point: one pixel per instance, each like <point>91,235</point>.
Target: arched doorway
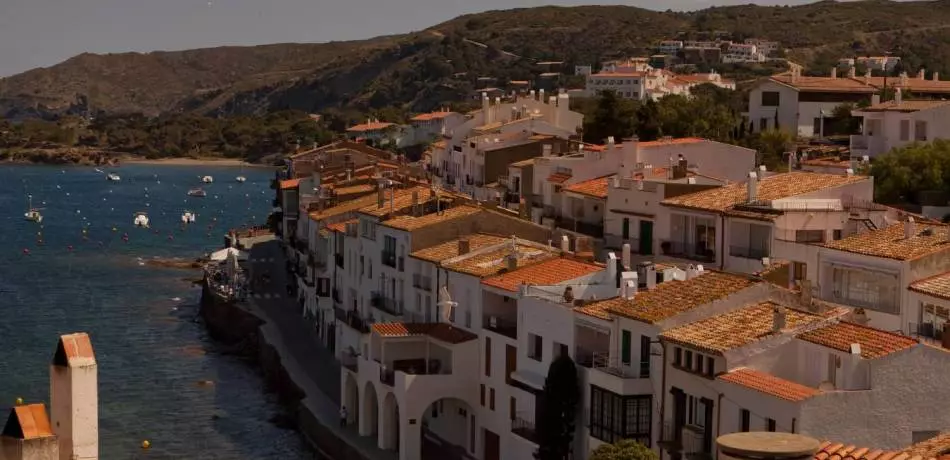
<point>449,430</point>
<point>351,399</point>
<point>369,425</point>
<point>391,421</point>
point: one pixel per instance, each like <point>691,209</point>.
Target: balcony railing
<point>389,259</point>
<point>386,304</point>
<point>387,376</point>
<point>690,251</point>
<point>672,436</point>
<point>747,252</point>
<point>352,319</point>
<point>577,226</point>
<point>928,331</point>
<point>612,365</point>
<point>422,282</point>
<point>499,325</point>
<point>524,428</point>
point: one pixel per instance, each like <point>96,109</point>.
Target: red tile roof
<point>676,141</point>
<point>75,350</point>
<point>596,188</point>
<point>439,331</point>
<point>341,226</point>
<point>935,286</point>
<point>28,421</point>
<point>875,343</point>
<point>371,126</point>
<point>839,451</point>
<point>769,384</point>
<point>289,183</point>
<point>552,271</point>
<point>559,178</point>
<point>431,116</point>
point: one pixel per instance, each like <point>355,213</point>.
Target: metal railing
<point>747,252</point>
<point>690,251</point>
<point>577,226</point>
<point>422,282</point>
<point>499,325</point>
<point>386,304</point>
<point>524,428</point>
<point>927,330</point>
<point>352,319</point>
<point>612,365</point>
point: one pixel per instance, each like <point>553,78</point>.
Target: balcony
<point>500,325</point>
<point>524,428</point>
<point>672,436</point>
<point>388,259</point>
<point>927,332</point>
<point>351,319</point>
<point>422,282</point>
<point>386,304</point>
<point>612,365</point>
<point>747,252</point>
<point>577,226</point>
<point>691,251</point>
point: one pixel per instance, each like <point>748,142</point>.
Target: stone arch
<point>389,433</point>
<point>449,429</point>
<point>369,421</point>
<point>351,399</point>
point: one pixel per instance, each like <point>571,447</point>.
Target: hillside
<point>420,70</point>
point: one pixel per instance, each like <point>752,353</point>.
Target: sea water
<point>161,378</point>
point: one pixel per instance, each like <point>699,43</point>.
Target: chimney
<point>921,74</point>
<point>532,94</point>
<point>778,319</point>
<point>565,243</point>
<point>904,79</point>
<point>546,150</point>
<point>625,255</point>
<point>30,436</point>
<point>867,77</point>
<point>760,172</point>
<point>415,203</point>
<point>464,246</point>
<point>380,197</point>
<point>650,272</point>
<point>628,290</point>
<point>898,96</point>
<point>852,73</point>
<point>691,272</point>
<point>910,228</point>
<point>512,260</point>
<point>486,108</point>
<point>935,76</point>
<point>610,142</point>
<point>752,187</point>
<point>568,295</point>
<point>541,95</point>
<point>834,72</point>
<point>612,273</point>
<point>74,397</point>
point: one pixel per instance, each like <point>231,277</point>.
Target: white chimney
<point>625,255</point>
<point>936,76</point>
<point>910,228</point>
<point>834,72</point>
<point>612,263</point>
<point>532,94</point>
<point>651,277</point>
<point>610,142</point>
<point>546,150</point>
<point>852,73</point>
<point>904,79</point>
<point>778,318</point>
<point>628,284</point>
<point>752,187</point>
<point>565,243</point>
<point>691,272</point>
<point>486,108</point>
<point>74,397</point>
<point>849,172</point>
<point>898,97</point>
<point>541,95</point>
<point>761,172</point>
<point>921,74</point>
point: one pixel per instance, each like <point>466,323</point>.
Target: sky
<point>41,33</point>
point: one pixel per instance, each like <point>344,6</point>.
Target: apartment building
<point>742,226</point>
<point>743,52</point>
<point>640,81</point>
<point>432,126</point>
<point>766,47</point>
<point>670,46</point>
<point>899,122</point>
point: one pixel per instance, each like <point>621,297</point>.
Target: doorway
<point>491,445</point>
<point>646,237</point>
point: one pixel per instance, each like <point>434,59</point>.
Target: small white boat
<point>207,179</point>
<point>141,220</point>
<point>113,177</point>
<point>198,192</point>
<point>32,214</point>
<point>240,179</point>
<point>99,171</point>
<point>188,217</point>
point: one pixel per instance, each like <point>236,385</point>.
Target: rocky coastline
<point>52,155</point>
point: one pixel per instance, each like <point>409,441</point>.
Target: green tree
<point>771,145</point>
<point>558,410</point>
<point>613,116</point>
<point>902,173</point>
<point>626,449</point>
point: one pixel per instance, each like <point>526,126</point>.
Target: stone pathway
<point>311,366</point>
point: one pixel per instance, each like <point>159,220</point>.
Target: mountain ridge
<point>424,69</point>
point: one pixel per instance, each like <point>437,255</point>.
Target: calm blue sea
<point>151,352</point>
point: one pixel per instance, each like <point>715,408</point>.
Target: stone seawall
<point>235,326</point>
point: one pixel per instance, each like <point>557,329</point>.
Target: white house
<point>432,126</point>
<point>899,122</point>
<point>379,133</point>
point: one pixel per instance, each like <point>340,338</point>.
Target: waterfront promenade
<point>311,366</point>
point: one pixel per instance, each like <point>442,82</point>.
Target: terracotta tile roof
<point>341,226</point>
<point>935,286</point>
<point>838,451</point>
<point>875,343</point>
<point>825,84</point>
<point>936,447</point>
<point>289,183</point>
<point>549,272</point>
<point>354,189</point>
<point>559,178</point>
<point>450,249</point>
<point>371,126</point>
<point>737,328</point>
<point>785,185</point>
<point>594,310</point>
<point>913,84</point>
<point>439,331</point>
<point>29,421</point>
<point>493,262</point>
<point>769,384</point>
<point>889,242</point>
<point>345,207</point>
<point>410,223</point>
<point>675,141</point>
<point>401,200</point>
<point>905,106</point>
<point>432,116</point>
<point>596,188</point>
<point>74,350</point>
<point>672,298</point>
